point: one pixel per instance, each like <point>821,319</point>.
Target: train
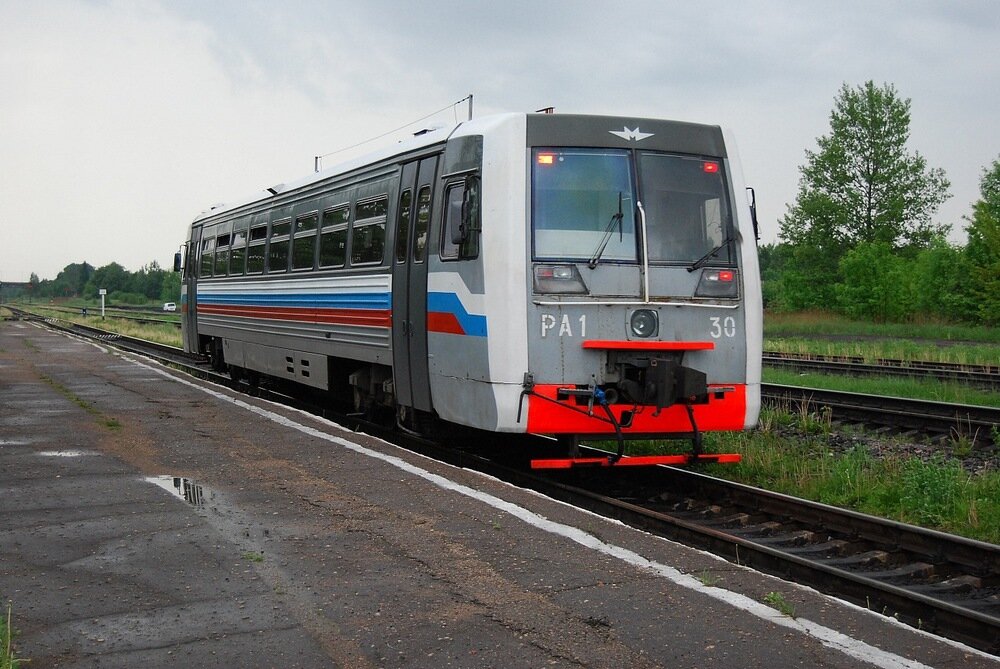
<point>579,277</point>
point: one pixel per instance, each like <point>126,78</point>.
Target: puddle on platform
<point>186,489</point>
<point>62,454</point>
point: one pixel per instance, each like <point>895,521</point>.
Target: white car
<point>170,306</point>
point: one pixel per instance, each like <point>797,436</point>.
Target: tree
<point>876,284</point>
<point>861,186</point>
<point>70,281</point>
<point>112,277</point>
<point>941,276</point>
<point>983,249</point>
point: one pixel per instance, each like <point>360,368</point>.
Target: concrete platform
<point>149,520</point>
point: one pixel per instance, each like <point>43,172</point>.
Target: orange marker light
<point>546,158</point>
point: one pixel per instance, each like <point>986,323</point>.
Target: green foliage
<point>874,283</point>
<point>941,280</point>
<point>983,249</point>
<point>68,283</point>
<point>150,284</point>
<point>170,288</point>
<point>935,493</point>
<point>862,185</point>
<point>7,635</point>
<point>778,601</point>
<point>859,188</point>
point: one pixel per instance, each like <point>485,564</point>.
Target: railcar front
<point>642,289</point>
<point>575,276</point>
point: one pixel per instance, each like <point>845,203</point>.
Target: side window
<point>255,249</point>
<point>277,248</point>
<point>461,220</point>
<point>238,251</point>
<point>333,236</point>
<point>403,225</point>
<point>421,224</point>
<point>304,242</point>
<point>368,233</point>
<point>189,260</point>
<point>207,257</point>
<point>222,254</point>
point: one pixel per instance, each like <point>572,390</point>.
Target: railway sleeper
<point>957,585</point>
<point>795,538</point>
<point>912,570</point>
<point>860,559</point>
<point>832,547</point>
<point>766,528</point>
<point>737,519</point>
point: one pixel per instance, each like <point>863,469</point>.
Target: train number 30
<point>722,327</point>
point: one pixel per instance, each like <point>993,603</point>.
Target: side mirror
<point>177,261</point>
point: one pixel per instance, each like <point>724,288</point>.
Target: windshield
<point>686,208</point>
<point>577,193</point>
<point>575,197</point>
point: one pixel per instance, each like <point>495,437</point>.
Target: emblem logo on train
<point>631,135</point>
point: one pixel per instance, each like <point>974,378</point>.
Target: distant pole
<point>102,292</point>
<point>316,161</point>
<point>470,106</point>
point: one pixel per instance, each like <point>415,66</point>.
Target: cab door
<point>409,284</point>
<point>189,292</point>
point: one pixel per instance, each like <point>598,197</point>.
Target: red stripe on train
<point>439,321</point>
<point>370,317</point>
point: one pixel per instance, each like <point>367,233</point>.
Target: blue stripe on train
<point>474,325</point>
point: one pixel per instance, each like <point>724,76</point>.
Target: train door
<point>189,292</point>
<point>409,284</point>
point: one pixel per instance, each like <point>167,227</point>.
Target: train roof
<point>415,143</point>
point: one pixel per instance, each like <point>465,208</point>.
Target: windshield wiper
<point>711,254</point>
<point>615,218</point>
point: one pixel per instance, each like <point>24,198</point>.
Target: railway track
<point>937,582</point>
<point>944,584</point>
<point>111,312</point>
<point>984,376</point>
<point>941,420</point>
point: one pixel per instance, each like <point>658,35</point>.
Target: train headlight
<point>718,283</point>
<point>644,323</point>
<point>558,279</point>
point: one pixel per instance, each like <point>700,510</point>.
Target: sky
<point>121,121</point>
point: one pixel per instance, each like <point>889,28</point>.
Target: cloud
<point>120,121</point>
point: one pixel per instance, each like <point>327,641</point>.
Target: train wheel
<point>414,421</point>
<point>217,357</point>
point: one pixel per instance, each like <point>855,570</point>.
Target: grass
<point>936,493</point>
<point>253,556</point>
<point>915,388</point>
<point>823,323</point>
<point>7,633</point>
<point>167,333</point>
<point>777,600</point>
<point>872,351</point>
